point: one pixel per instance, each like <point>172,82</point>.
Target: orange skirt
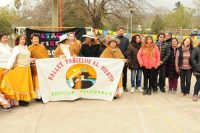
<point>1,75</point>
<point>17,84</point>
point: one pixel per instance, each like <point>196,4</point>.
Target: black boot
<point>38,100</point>
<point>162,90</point>
<point>155,90</point>
<point>23,103</point>
<point>149,92</point>
<point>146,92</point>
<point>125,89</point>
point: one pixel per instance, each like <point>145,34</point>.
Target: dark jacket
<point>164,51</point>
<point>124,42</point>
<point>171,67</point>
<point>169,41</point>
<point>132,52</point>
<point>90,50</point>
<point>195,61</point>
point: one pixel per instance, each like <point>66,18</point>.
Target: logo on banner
<point>81,76</point>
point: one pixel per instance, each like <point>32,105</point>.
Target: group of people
<point>166,58</point>
<point>163,59</point>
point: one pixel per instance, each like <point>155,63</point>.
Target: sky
<point>170,4</point>
<point>5,2</point>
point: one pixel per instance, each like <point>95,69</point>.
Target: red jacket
<point>149,62</point>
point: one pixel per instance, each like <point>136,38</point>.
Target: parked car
<point>195,33</point>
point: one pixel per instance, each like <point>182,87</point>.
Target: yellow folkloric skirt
<point>1,75</point>
<point>2,98</point>
<point>17,84</point>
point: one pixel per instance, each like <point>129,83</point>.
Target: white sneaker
<point>140,89</point>
<point>187,96</point>
<point>132,89</point>
<point>119,92</point>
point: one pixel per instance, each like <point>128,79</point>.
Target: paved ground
<point>133,113</point>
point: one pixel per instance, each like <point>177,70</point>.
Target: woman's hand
<point>32,60</point>
<point>74,56</point>
<point>178,70</point>
<point>125,60</point>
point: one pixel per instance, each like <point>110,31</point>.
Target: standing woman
<point>17,83</point>
<point>5,53</point>
<point>112,51</point>
<point>133,64</point>
<point>90,47</point>
<point>171,67</point>
<point>68,46</point>
<point>76,44</point>
<point>149,58</point>
<point>38,51</point>
<point>183,66</point>
<point>64,49</point>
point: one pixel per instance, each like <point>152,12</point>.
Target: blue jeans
<point>136,75</point>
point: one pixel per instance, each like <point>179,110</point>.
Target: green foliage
<point>157,25</point>
<point>5,26</point>
<point>17,3</point>
<point>8,18</point>
<point>179,17</point>
<point>10,14</point>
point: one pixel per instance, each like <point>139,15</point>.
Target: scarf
<point>185,48</point>
<point>148,50</point>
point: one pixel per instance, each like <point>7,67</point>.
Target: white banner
<point>73,78</point>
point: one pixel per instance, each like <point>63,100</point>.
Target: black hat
<point>85,74</point>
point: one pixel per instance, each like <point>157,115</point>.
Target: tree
<point>8,19</point>
<point>5,26</point>
<point>97,12</point>
<point>157,24</point>
<point>197,12</point>
<point>179,17</point>
<point>76,13</point>
<point>38,13</point>
<point>17,3</point>
<point>10,15</point>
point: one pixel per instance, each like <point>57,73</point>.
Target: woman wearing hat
<point>149,59</point>
<point>5,53</point>
<point>90,47</point>
<point>112,51</point>
<point>68,46</point>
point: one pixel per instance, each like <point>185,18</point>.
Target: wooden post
<point>61,15</point>
<point>54,13</point>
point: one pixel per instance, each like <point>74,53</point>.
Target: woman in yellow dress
<point>17,83</point>
<point>5,53</point>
